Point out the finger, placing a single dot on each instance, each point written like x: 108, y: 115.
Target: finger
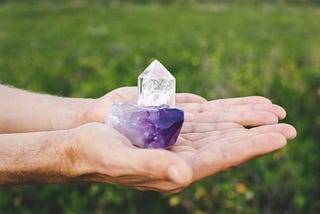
x: 160, y: 165
x: 248, y: 148
x: 141, y: 183
x: 223, y: 104
x: 287, y: 130
x: 237, y: 135
x: 190, y: 127
x: 189, y: 98
x: 272, y: 108
x: 248, y: 118
x: 238, y: 101
x: 160, y: 186
x: 219, y: 158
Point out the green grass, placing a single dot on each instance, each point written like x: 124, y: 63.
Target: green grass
x: 216, y: 50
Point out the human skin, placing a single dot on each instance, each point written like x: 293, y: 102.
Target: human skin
x: 47, y: 139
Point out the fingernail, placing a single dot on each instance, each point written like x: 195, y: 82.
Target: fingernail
x: 174, y: 175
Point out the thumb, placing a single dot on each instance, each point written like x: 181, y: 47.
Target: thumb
x: 162, y: 165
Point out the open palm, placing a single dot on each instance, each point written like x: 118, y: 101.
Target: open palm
x: 215, y: 135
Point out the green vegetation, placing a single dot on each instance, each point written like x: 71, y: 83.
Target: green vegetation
x: 216, y: 50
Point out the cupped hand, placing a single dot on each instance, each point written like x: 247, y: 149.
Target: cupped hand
x: 215, y: 136
x: 104, y: 155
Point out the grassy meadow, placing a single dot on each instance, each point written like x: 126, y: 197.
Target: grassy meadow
x: 215, y: 50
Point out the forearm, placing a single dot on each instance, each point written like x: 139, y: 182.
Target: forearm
x: 40, y: 157
x: 23, y: 111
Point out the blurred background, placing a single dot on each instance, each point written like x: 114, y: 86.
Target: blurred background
x: 216, y: 48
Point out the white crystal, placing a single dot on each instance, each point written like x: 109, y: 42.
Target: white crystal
x: 156, y: 86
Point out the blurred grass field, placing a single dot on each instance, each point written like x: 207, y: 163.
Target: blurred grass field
x: 216, y: 50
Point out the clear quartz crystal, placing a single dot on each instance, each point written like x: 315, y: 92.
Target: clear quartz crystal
x: 156, y: 86
x: 154, y: 123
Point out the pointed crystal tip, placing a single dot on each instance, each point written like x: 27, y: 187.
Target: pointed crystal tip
x: 156, y: 86
x: 156, y: 71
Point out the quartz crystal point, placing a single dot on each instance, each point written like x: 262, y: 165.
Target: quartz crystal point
x: 156, y: 86
x: 146, y: 127
x: 154, y: 122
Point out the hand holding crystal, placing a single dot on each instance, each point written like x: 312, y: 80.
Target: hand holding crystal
x: 55, y: 149
x: 213, y: 138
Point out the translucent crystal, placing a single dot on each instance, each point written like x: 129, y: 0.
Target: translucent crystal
x: 146, y: 127
x: 154, y: 123
x: 156, y: 86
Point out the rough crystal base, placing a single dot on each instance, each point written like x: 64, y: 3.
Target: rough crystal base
x: 146, y: 127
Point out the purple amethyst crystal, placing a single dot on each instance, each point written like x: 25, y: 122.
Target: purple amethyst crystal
x: 146, y: 127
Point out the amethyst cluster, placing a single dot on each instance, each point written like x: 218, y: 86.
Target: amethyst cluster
x: 146, y: 127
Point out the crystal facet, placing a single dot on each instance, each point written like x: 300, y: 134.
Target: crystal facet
x: 154, y: 122
x: 146, y: 127
x: 156, y: 86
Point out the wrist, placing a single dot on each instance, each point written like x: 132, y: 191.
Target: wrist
x: 73, y: 163
x: 38, y: 157
x: 73, y: 112
x: 61, y: 113
x: 82, y: 108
